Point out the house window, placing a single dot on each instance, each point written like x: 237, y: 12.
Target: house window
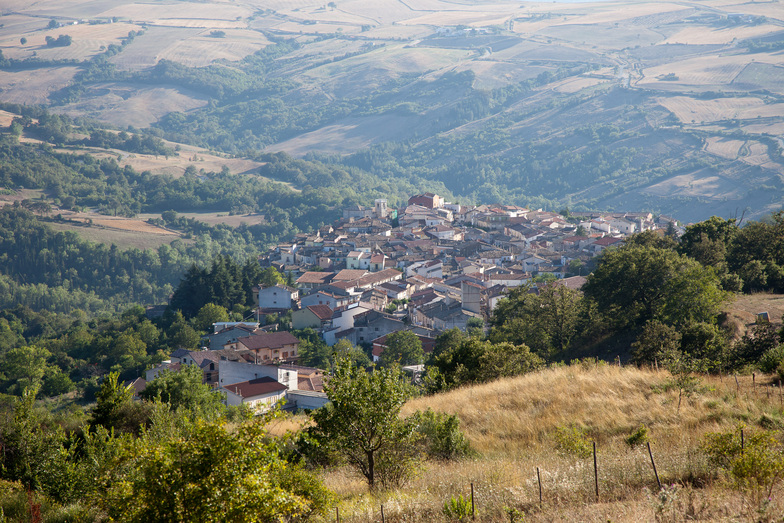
x: 285, y: 355
x: 361, y: 338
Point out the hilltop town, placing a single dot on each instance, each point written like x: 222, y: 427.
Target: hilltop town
x: 427, y: 267
x: 431, y: 265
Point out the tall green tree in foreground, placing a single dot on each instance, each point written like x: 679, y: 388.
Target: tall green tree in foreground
x: 362, y: 424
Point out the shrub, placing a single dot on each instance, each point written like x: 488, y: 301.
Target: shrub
x: 441, y: 435
x: 457, y: 508
x: 573, y: 440
x: 754, y: 465
x: 771, y: 359
x: 638, y: 437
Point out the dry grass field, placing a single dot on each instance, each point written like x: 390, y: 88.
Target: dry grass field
x: 214, y: 218
x: 126, y: 104
x: 572, y: 85
x: 512, y: 424
x: 190, y: 14
x: 744, y: 309
x: 33, y: 86
x: 712, y: 71
x: 176, y: 165
x: 703, y: 35
x: 702, y: 184
x: 122, y: 238
x: 691, y: 110
x: 350, y: 135
x: 724, y: 147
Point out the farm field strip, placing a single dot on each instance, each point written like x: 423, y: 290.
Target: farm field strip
x: 690, y: 110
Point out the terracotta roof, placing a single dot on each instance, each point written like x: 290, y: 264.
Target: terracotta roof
x: 350, y: 274
x: 316, y: 277
x: 268, y: 340
x: 607, y: 240
x: 322, y: 312
x: 255, y: 387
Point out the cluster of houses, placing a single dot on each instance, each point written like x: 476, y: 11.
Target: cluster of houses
x: 427, y: 267
x: 250, y: 367
x: 431, y: 265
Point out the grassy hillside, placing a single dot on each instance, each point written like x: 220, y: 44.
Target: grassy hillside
x: 512, y: 424
x: 622, y: 105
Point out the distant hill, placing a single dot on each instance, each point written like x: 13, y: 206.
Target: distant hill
x: 675, y: 108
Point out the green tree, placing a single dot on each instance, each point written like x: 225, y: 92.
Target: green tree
x: 402, y: 348
x: 708, y: 241
x: 185, y: 391
x: 362, y: 422
x: 546, y: 322
x: 634, y: 284
x: 209, y: 314
x: 115, y: 408
x: 655, y: 340
x: 24, y: 367
x: 459, y: 360
x: 345, y: 349
x: 213, y: 474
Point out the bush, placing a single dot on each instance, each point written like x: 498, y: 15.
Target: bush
x: 754, y: 467
x: 441, y: 435
x: 457, y: 508
x: 638, y: 437
x: 573, y: 440
x: 772, y: 358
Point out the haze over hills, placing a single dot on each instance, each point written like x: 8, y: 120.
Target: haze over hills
x: 672, y: 107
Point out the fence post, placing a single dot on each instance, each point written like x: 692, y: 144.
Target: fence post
x: 754, y: 383
x: 539, y: 478
x: 653, y: 463
x: 337, y: 514
x: 383, y: 520
x: 473, y: 513
x: 737, y: 384
x: 595, y: 472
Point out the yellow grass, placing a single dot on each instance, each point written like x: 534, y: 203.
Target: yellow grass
x: 118, y: 223
x: 702, y: 184
x: 512, y: 422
